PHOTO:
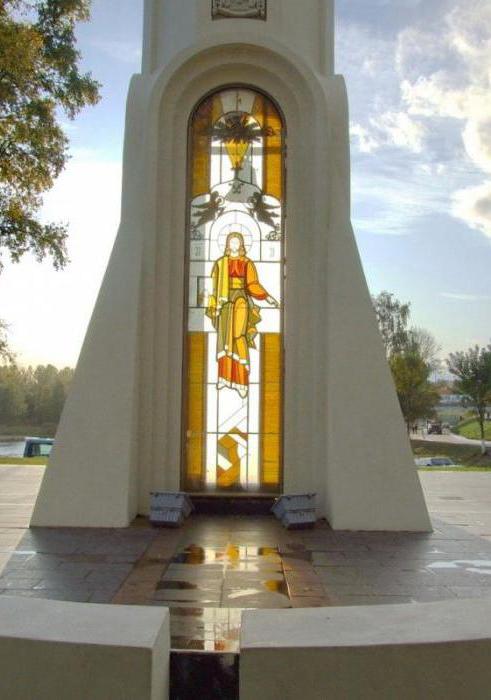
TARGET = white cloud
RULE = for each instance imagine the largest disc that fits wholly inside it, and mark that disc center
(473, 205)
(366, 141)
(443, 107)
(390, 129)
(464, 297)
(463, 90)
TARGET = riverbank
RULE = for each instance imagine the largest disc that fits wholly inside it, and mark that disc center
(14, 432)
(14, 461)
(466, 455)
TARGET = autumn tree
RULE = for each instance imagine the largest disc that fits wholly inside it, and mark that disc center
(40, 81)
(393, 317)
(472, 370)
(417, 396)
(412, 354)
(39, 77)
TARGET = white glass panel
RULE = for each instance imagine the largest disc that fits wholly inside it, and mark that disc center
(197, 321)
(215, 165)
(235, 100)
(271, 320)
(271, 251)
(255, 355)
(232, 411)
(198, 250)
(270, 277)
(211, 408)
(254, 412)
(257, 164)
(193, 291)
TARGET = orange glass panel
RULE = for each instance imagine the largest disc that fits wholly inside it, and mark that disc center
(195, 435)
(271, 409)
(200, 167)
(268, 117)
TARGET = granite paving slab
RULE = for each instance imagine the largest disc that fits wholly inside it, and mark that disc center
(216, 566)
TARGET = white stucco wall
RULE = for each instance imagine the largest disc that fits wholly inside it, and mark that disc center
(52, 649)
(378, 652)
(344, 436)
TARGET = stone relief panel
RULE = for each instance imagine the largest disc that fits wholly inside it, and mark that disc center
(252, 9)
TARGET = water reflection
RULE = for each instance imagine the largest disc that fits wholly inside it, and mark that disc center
(202, 578)
(473, 566)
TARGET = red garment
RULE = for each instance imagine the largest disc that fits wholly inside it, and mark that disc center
(243, 268)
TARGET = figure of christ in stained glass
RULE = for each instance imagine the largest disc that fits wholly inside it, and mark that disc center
(233, 429)
(234, 314)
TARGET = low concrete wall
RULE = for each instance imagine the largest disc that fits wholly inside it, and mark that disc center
(435, 651)
(55, 650)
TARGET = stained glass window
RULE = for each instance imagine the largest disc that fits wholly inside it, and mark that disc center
(234, 353)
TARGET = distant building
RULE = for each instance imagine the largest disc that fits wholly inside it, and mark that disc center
(451, 400)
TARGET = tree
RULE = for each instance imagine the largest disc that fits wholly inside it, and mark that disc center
(422, 342)
(33, 397)
(12, 397)
(39, 80)
(5, 353)
(39, 76)
(412, 354)
(472, 370)
(416, 394)
(393, 318)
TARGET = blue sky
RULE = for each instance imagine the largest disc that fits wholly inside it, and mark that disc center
(419, 82)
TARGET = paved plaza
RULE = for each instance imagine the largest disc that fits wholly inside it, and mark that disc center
(216, 566)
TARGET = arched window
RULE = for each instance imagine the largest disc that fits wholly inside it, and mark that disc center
(234, 329)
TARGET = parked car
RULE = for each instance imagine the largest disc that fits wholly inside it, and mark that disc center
(38, 447)
(434, 462)
(435, 428)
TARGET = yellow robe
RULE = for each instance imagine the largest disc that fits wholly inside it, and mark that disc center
(235, 318)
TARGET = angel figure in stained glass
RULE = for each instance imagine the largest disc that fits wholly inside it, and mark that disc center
(234, 314)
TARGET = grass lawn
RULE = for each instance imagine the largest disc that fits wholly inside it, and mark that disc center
(23, 460)
(467, 457)
(470, 429)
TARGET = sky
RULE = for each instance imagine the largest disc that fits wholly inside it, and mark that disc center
(419, 83)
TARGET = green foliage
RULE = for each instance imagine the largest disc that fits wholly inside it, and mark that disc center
(462, 454)
(13, 404)
(23, 460)
(393, 318)
(39, 76)
(417, 396)
(32, 396)
(472, 370)
(472, 430)
(412, 354)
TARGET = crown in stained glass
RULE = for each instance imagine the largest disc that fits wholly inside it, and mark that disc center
(249, 9)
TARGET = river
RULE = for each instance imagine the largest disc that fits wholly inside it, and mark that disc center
(14, 448)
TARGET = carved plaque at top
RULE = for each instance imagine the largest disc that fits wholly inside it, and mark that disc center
(255, 9)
